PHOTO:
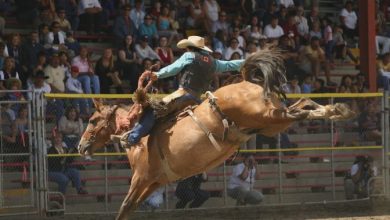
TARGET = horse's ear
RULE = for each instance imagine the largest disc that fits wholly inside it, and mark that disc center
(98, 104)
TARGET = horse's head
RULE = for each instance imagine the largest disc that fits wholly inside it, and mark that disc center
(100, 126)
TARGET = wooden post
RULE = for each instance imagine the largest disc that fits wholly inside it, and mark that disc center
(367, 46)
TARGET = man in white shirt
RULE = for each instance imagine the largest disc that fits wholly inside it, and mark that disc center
(143, 50)
(56, 75)
(90, 13)
(242, 180)
(273, 30)
(349, 19)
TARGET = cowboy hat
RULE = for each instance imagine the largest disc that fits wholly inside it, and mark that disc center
(193, 41)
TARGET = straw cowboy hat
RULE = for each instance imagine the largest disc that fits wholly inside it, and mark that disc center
(193, 41)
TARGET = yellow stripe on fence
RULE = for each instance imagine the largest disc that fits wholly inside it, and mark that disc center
(253, 151)
(292, 96)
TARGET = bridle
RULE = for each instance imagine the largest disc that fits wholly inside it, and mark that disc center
(107, 122)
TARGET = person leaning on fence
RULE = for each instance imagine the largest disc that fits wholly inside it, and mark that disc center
(189, 190)
(357, 180)
(242, 180)
(60, 170)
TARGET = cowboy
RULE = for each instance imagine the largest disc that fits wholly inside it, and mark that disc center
(197, 68)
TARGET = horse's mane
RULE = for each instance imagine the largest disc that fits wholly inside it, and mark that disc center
(267, 69)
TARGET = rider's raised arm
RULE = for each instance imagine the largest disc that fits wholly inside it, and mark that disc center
(177, 66)
(225, 66)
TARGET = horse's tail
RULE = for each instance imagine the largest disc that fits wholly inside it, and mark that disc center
(266, 68)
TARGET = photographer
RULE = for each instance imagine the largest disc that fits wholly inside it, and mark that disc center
(242, 181)
(357, 180)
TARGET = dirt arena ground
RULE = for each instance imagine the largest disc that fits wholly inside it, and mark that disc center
(362, 210)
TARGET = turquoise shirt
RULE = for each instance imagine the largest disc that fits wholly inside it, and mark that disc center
(188, 58)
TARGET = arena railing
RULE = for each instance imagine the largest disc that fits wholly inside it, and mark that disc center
(331, 152)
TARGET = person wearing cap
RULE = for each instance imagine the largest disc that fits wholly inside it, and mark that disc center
(73, 85)
(197, 68)
(143, 50)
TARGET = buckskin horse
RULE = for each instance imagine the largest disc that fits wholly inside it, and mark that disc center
(212, 132)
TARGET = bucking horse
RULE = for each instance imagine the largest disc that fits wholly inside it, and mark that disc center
(203, 137)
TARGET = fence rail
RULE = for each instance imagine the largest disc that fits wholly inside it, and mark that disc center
(313, 172)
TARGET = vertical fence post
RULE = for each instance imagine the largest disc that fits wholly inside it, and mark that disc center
(333, 178)
(280, 171)
(30, 150)
(224, 185)
(1, 169)
(105, 180)
(385, 143)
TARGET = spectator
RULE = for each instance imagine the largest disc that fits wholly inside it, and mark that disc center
(22, 128)
(292, 87)
(302, 25)
(316, 31)
(123, 25)
(346, 85)
(38, 84)
(14, 86)
(71, 11)
(219, 40)
(270, 14)
(319, 86)
(251, 48)
(188, 190)
(41, 62)
(242, 180)
(361, 83)
(56, 38)
(196, 16)
(2, 54)
(290, 28)
(273, 30)
(30, 54)
(14, 49)
(211, 9)
(63, 22)
(248, 7)
(149, 29)
(341, 50)
(383, 69)
(87, 76)
(72, 44)
(90, 14)
(49, 5)
(287, 3)
(107, 70)
(155, 199)
(43, 31)
(56, 78)
(164, 25)
(164, 52)
(60, 170)
(45, 17)
(349, 20)
(313, 17)
(312, 59)
(220, 24)
(8, 132)
(370, 122)
(64, 63)
(256, 33)
(232, 48)
(73, 85)
(143, 50)
(307, 84)
(156, 9)
(8, 72)
(71, 127)
(282, 15)
(128, 62)
(241, 40)
(137, 14)
(328, 38)
(56, 75)
(361, 171)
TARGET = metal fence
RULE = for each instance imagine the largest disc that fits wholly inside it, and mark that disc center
(307, 163)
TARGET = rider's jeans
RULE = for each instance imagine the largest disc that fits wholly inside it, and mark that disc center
(145, 124)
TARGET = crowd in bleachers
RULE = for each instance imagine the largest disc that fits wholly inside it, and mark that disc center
(56, 56)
